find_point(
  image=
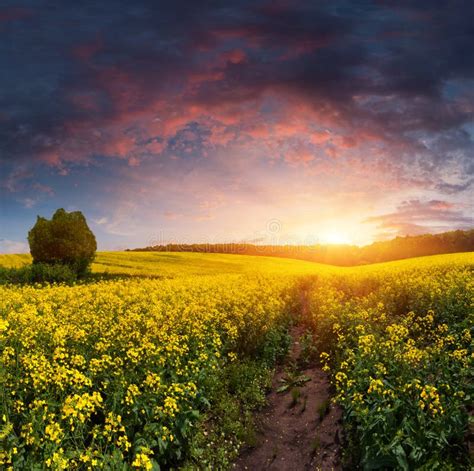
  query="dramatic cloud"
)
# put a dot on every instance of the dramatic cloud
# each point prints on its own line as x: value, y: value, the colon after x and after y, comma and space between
x: 236, y: 97
x: 416, y: 217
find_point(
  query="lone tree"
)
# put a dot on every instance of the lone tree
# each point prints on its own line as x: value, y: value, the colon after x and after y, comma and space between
x: 65, y: 239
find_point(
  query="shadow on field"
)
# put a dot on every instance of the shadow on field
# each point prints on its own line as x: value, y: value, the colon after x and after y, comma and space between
x: 95, y: 277
x: 33, y: 275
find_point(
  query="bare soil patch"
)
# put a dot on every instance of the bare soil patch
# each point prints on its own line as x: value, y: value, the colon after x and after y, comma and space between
x: 299, y: 429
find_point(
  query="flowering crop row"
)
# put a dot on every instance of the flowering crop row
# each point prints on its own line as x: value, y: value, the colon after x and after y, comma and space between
x: 400, y: 352
x: 112, y: 375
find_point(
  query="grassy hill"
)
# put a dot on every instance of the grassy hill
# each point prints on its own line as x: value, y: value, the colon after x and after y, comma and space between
x: 342, y: 255
x: 178, y: 264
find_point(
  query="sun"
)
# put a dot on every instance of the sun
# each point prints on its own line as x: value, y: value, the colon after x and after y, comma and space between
x: 333, y: 232
x: 335, y: 238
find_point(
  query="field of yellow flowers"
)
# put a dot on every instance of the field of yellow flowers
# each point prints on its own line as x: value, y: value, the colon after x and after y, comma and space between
x: 144, y: 373
x: 398, y: 345
x: 119, y: 372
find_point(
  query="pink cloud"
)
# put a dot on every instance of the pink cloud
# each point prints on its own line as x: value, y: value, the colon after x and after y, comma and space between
x: 297, y: 130
x: 319, y: 137
x: 171, y: 215
x: 43, y: 188
x: 234, y: 56
x: 418, y: 217
x: 205, y: 77
x: 299, y: 154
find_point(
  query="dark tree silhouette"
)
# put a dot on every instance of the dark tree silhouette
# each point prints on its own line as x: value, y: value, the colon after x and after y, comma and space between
x: 65, y: 239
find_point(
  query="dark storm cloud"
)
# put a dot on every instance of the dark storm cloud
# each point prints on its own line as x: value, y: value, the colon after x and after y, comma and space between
x: 76, y: 75
x: 45, y: 74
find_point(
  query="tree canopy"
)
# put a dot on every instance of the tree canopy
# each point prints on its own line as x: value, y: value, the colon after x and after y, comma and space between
x: 65, y: 239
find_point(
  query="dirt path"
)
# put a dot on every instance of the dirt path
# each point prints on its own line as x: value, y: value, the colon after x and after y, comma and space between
x: 299, y: 429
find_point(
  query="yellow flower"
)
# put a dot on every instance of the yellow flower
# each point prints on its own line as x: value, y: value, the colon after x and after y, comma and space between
x: 58, y: 461
x: 132, y: 393
x: 54, y: 432
x: 366, y: 343
x: 376, y: 385
x: 431, y: 399
x: 3, y: 325
x: 142, y: 460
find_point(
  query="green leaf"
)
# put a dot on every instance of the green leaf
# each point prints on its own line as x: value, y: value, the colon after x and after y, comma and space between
x: 401, y: 457
x: 304, y: 379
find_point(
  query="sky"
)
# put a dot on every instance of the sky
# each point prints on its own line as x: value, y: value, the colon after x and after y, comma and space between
x: 258, y: 121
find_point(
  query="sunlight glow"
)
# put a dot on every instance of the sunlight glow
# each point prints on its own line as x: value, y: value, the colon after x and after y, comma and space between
x: 347, y: 231
x: 335, y: 237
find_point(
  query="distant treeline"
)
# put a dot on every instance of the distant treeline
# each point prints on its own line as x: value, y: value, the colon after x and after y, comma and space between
x: 344, y: 255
